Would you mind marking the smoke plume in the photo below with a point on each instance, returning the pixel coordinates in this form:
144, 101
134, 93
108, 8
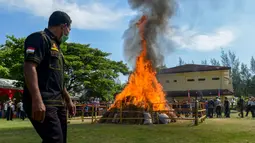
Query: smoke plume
158, 13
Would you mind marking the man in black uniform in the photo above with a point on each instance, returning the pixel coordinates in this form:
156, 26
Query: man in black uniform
227, 107
45, 97
241, 104
211, 106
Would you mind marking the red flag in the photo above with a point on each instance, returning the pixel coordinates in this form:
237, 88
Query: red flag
218, 92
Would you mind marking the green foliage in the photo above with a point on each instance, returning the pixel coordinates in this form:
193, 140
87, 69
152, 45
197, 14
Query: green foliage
89, 68
252, 62
245, 79
11, 55
224, 59
86, 68
4, 72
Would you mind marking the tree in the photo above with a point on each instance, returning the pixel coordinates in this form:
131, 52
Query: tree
181, 62
214, 62
86, 68
252, 86
252, 80
252, 65
245, 79
204, 62
4, 71
224, 59
230, 60
11, 63
89, 68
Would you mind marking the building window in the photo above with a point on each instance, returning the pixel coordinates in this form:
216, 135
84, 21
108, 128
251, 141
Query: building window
190, 80
167, 81
175, 80
201, 79
215, 78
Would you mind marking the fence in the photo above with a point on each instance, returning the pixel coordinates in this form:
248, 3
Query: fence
95, 112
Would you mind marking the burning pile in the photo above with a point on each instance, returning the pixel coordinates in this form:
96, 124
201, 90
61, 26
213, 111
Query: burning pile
143, 94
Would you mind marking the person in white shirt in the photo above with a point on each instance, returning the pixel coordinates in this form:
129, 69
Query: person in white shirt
22, 112
218, 107
232, 102
5, 109
18, 109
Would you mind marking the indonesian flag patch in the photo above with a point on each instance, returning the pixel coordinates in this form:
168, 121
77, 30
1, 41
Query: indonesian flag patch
30, 50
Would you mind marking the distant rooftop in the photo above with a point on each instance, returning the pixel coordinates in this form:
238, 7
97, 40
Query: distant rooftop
192, 68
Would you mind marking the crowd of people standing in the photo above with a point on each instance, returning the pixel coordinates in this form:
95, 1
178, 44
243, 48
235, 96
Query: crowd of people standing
248, 106
10, 109
215, 107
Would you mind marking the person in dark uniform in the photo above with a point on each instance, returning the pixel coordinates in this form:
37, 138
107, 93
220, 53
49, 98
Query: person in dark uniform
241, 104
45, 98
248, 106
211, 106
227, 107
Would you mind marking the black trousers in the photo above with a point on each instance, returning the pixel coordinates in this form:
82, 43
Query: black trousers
227, 112
248, 109
18, 113
253, 111
210, 112
218, 111
54, 127
241, 112
22, 115
9, 114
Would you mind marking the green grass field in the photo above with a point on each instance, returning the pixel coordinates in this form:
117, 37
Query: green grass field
211, 131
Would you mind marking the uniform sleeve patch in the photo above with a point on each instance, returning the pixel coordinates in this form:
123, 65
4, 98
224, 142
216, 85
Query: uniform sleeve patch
30, 50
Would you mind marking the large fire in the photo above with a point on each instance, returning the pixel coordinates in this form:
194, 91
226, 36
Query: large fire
143, 89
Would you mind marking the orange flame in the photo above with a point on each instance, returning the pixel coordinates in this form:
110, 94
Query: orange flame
143, 86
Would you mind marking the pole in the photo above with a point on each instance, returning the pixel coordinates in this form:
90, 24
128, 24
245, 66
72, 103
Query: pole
82, 113
196, 111
221, 77
121, 113
96, 110
92, 114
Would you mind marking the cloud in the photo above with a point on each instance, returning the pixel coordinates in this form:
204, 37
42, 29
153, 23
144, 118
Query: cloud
191, 39
93, 15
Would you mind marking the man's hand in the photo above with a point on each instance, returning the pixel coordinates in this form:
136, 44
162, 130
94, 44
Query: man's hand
38, 111
71, 108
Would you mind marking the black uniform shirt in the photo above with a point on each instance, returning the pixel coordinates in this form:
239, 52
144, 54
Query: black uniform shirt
43, 49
